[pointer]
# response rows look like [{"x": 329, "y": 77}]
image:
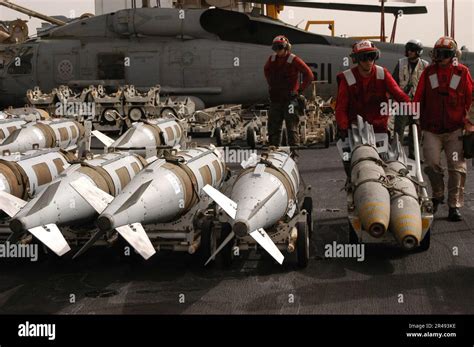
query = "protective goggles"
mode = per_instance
[
  {"x": 440, "y": 53},
  {"x": 278, "y": 46},
  {"x": 412, "y": 47},
  {"x": 367, "y": 56}
]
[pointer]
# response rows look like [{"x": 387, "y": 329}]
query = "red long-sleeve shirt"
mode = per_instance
[
  {"x": 343, "y": 117},
  {"x": 283, "y": 76}
]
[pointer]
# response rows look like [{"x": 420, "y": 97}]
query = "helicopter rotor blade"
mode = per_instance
[{"x": 395, "y": 10}]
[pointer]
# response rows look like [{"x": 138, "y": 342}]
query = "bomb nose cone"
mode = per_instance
[
  {"x": 106, "y": 222},
  {"x": 241, "y": 228},
  {"x": 377, "y": 230},
  {"x": 409, "y": 242},
  {"x": 17, "y": 225}
]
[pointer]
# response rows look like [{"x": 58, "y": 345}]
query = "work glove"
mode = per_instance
[{"x": 468, "y": 127}]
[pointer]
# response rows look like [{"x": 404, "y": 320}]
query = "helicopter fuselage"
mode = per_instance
[{"x": 206, "y": 66}]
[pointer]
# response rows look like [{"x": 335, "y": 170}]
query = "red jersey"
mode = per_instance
[
  {"x": 282, "y": 74},
  {"x": 364, "y": 96},
  {"x": 445, "y": 97}
]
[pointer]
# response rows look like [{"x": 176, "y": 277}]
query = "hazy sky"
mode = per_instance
[
  {"x": 68, "y": 8},
  {"x": 426, "y": 27}
]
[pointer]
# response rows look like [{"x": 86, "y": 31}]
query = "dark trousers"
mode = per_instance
[
  {"x": 401, "y": 122},
  {"x": 278, "y": 113}
]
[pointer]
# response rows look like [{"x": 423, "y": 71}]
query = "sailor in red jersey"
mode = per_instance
[
  {"x": 364, "y": 89},
  {"x": 282, "y": 72},
  {"x": 445, "y": 95}
]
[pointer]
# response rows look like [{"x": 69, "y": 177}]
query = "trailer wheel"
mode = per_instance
[
  {"x": 251, "y": 137},
  {"x": 169, "y": 112},
  {"x": 425, "y": 243},
  {"x": 302, "y": 243},
  {"x": 308, "y": 206},
  {"x": 135, "y": 114},
  {"x": 208, "y": 242},
  {"x": 227, "y": 251},
  {"x": 353, "y": 238},
  {"x": 218, "y": 136},
  {"x": 327, "y": 137}
]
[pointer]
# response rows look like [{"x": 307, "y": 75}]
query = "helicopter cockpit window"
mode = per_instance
[
  {"x": 111, "y": 66},
  {"x": 21, "y": 63}
]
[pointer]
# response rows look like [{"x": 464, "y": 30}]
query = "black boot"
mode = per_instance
[
  {"x": 454, "y": 214},
  {"x": 436, "y": 203}
]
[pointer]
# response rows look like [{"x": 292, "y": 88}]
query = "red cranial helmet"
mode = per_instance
[
  {"x": 280, "y": 42},
  {"x": 444, "y": 48},
  {"x": 364, "y": 50}
]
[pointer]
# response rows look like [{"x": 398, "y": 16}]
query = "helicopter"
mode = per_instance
[{"x": 210, "y": 54}]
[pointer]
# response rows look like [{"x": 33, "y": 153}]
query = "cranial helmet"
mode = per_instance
[
  {"x": 281, "y": 42},
  {"x": 364, "y": 50}
]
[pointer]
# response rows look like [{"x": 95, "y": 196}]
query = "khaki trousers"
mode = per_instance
[{"x": 451, "y": 144}]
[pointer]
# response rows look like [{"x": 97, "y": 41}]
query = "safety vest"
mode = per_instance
[
  {"x": 290, "y": 59},
  {"x": 443, "y": 108},
  {"x": 282, "y": 78},
  {"x": 407, "y": 77},
  {"x": 369, "y": 104}
]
